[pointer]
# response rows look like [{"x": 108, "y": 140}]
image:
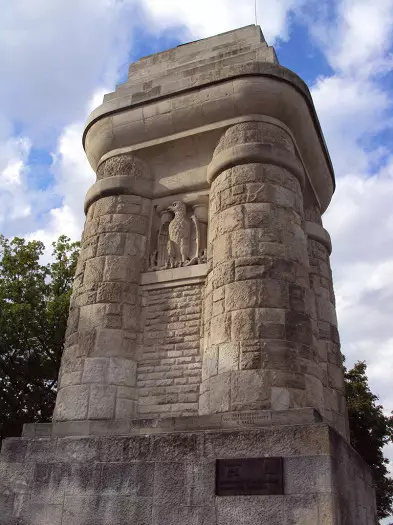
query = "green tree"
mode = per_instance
[
  {"x": 34, "y": 302},
  {"x": 370, "y": 431}
]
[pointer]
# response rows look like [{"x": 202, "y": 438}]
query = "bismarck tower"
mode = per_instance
[{"x": 201, "y": 381}]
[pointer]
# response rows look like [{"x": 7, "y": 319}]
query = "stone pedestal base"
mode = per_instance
[{"x": 168, "y": 478}]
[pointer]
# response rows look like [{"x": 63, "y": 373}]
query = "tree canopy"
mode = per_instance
[
  {"x": 370, "y": 431},
  {"x": 34, "y": 303}
]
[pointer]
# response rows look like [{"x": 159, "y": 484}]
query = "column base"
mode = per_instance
[{"x": 169, "y": 478}]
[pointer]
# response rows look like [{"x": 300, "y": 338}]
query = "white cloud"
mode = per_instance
[
  {"x": 352, "y": 111},
  {"x": 72, "y": 178},
  {"x": 205, "y": 18},
  {"x": 13, "y": 180},
  {"x": 54, "y": 53},
  {"x": 362, "y": 43},
  {"x": 355, "y": 109}
]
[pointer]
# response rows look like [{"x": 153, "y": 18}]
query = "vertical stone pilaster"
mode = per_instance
[
  {"x": 98, "y": 371},
  {"x": 259, "y": 351},
  {"x": 328, "y": 341}
]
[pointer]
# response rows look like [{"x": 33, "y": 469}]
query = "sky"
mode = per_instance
[{"x": 58, "y": 58}]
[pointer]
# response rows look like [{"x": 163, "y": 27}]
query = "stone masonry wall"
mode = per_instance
[
  {"x": 169, "y": 479},
  {"x": 259, "y": 351},
  {"x": 328, "y": 341},
  {"x": 97, "y": 379},
  {"x": 169, "y": 369}
]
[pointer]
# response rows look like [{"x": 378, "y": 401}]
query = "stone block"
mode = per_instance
[
  {"x": 131, "y": 317},
  {"x": 179, "y": 515},
  {"x": 102, "y": 401},
  {"x": 95, "y": 370},
  {"x": 250, "y": 360},
  {"x": 91, "y": 317},
  {"x": 308, "y": 475},
  {"x": 125, "y": 408},
  {"x": 41, "y": 449},
  {"x": 223, "y": 274},
  {"x": 261, "y": 215},
  {"x": 176, "y": 447},
  {"x": 243, "y": 294},
  {"x": 220, "y": 393},
  {"x": 249, "y": 510},
  {"x": 273, "y": 293},
  {"x": 228, "y": 357},
  {"x": 220, "y": 330},
  {"x": 122, "y": 268},
  {"x": 135, "y": 244},
  {"x": 44, "y": 514},
  {"x": 210, "y": 362},
  {"x": 7, "y": 507},
  {"x": 94, "y": 269},
  {"x": 112, "y": 343},
  {"x": 111, "y": 244},
  {"x": 122, "y": 372},
  {"x": 170, "y": 483},
  {"x": 298, "y": 327},
  {"x": 314, "y": 392},
  {"x": 72, "y": 403},
  {"x": 110, "y": 292},
  {"x": 230, "y": 219},
  {"x": 303, "y": 510},
  {"x": 72, "y": 449},
  {"x": 250, "y": 390},
  {"x": 106, "y": 510},
  {"x": 71, "y": 378},
  {"x": 13, "y": 449},
  {"x": 50, "y": 482},
  {"x": 70, "y": 428},
  {"x": 280, "y": 398},
  {"x": 15, "y": 476},
  {"x": 128, "y": 479},
  {"x": 201, "y": 477},
  {"x": 243, "y": 324},
  {"x": 222, "y": 249}
]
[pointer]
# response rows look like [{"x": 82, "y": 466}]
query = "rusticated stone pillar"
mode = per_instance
[
  {"x": 98, "y": 371},
  {"x": 328, "y": 342},
  {"x": 259, "y": 351}
]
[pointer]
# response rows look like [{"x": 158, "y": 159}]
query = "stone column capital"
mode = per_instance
[
  {"x": 318, "y": 233},
  {"x": 255, "y": 142},
  {"x": 123, "y": 174}
]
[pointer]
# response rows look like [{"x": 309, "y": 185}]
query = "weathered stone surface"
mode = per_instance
[
  {"x": 230, "y": 351},
  {"x": 170, "y": 479}
]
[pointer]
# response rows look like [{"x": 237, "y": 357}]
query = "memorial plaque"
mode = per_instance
[{"x": 248, "y": 477}]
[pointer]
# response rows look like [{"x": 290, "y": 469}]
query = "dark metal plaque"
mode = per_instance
[{"x": 248, "y": 477}]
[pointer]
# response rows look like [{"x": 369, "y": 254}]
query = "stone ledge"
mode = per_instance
[
  {"x": 224, "y": 421},
  {"x": 318, "y": 233},
  {"x": 255, "y": 152},
  {"x": 174, "y": 277},
  {"x": 168, "y": 478}
]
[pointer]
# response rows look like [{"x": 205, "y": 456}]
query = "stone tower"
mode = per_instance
[{"x": 201, "y": 381}]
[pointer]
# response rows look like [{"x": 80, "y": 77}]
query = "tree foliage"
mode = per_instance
[
  {"x": 370, "y": 431},
  {"x": 34, "y": 302}
]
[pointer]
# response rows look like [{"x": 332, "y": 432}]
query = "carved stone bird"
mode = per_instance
[{"x": 179, "y": 235}]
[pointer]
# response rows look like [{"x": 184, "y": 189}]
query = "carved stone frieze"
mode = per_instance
[
  {"x": 123, "y": 165},
  {"x": 180, "y": 237}
]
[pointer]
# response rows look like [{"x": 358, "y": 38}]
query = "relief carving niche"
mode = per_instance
[{"x": 179, "y": 234}]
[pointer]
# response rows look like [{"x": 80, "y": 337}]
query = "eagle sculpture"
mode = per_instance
[{"x": 174, "y": 240}]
